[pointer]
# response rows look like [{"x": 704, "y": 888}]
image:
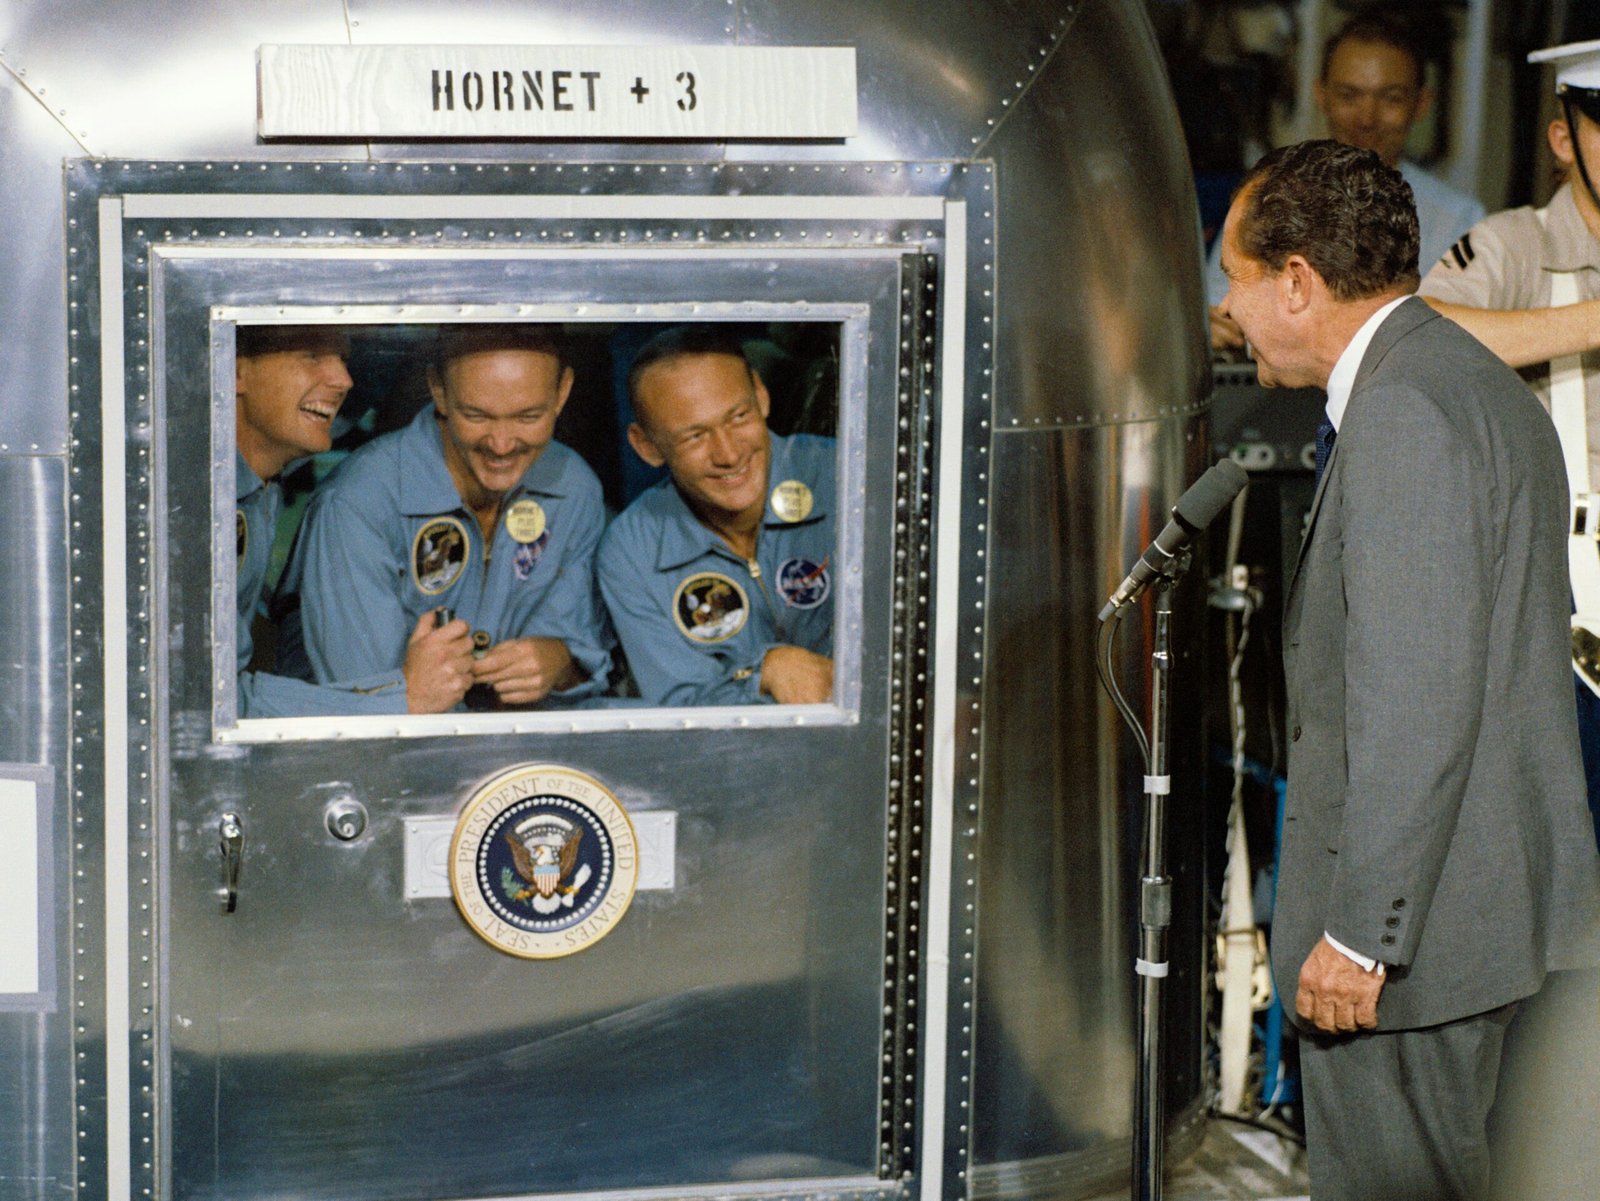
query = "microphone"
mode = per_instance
[{"x": 1197, "y": 508}]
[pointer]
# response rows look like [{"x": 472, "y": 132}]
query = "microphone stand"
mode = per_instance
[{"x": 1155, "y": 888}]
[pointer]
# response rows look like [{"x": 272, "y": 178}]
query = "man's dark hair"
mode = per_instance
[
  {"x": 252, "y": 340},
  {"x": 684, "y": 341},
  {"x": 1384, "y": 29},
  {"x": 478, "y": 337},
  {"x": 1352, "y": 217}
]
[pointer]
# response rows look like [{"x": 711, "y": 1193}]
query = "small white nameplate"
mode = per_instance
[
  {"x": 615, "y": 92},
  {"x": 427, "y": 851},
  {"x": 19, "y": 886}
]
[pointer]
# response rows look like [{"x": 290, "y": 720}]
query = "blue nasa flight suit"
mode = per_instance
[
  {"x": 261, "y": 694},
  {"x": 367, "y": 563},
  {"x": 657, "y": 561}
]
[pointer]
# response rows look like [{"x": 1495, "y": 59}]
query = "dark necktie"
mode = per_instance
[{"x": 1325, "y": 436}]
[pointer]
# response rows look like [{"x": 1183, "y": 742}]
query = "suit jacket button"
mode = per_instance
[
  {"x": 1391, "y": 922},
  {"x": 1400, "y": 904},
  {"x": 1294, "y": 736},
  {"x": 1387, "y": 940}
]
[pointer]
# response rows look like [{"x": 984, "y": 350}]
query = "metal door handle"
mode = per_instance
[{"x": 230, "y": 832}]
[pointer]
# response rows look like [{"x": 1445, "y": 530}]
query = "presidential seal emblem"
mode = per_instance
[
  {"x": 792, "y": 501},
  {"x": 544, "y": 862},
  {"x": 710, "y": 607},
  {"x": 802, "y": 583},
  {"x": 438, "y": 555}
]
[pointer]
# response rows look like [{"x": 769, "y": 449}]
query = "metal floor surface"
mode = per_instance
[{"x": 1235, "y": 1162}]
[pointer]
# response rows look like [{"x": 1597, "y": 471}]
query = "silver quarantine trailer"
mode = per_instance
[{"x": 876, "y": 947}]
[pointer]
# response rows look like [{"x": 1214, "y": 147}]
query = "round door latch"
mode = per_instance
[{"x": 346, "y": 818}]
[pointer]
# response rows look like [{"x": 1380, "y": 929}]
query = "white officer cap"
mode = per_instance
[{"x": 1577, "y": 66}]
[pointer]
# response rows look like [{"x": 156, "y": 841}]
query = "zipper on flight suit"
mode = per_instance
[
  {"x": 488, "y": 540},
  {"x": 488, "y": 554},
  {"x": 777, "y": 615}
]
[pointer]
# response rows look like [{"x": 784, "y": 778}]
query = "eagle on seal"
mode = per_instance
[{"x": 544, "y": 865}]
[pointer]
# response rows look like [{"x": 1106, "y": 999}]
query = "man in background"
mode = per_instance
[
  {"x": 289, "y": 384},
  {"x": 1371, "y": 92},
  {"x": 472, "y": 516},
  {"x": 719, "y": 578}
]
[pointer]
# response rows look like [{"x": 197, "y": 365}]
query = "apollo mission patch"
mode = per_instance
[
  {"x": 710, "y": 607},
  {"x": 438, "y": 555}
]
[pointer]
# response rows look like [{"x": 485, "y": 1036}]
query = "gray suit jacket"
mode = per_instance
[{"x": 1436, "y": 815}]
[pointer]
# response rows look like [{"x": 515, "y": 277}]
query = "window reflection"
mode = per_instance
[{"x": 475, "y": 516}]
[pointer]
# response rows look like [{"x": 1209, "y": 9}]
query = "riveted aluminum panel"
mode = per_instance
[
  {"x": 33, "y": 597},
  {"x": 36, "y": 1042},
  {"x": 171, "y": 80},
  {"x": 597, "y": 23},
  {"x": 1063, "y": 791},
  {"x": 33, "y": 369},
  {"x": 1101, "y": 263},
  {"x": 1087, "y": 132},
  {"x": 295, "y": 1009},
  {"x": 938, "y": 87}
]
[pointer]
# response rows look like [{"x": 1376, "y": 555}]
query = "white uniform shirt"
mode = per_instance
[{"x": 1507, "y": 261}]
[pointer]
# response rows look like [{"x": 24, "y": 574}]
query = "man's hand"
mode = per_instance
[
  {"x": 792, "y": 675},
  {"x": 1225, "y": 331},
  {"x": 1337, "y": 994},
  {"x": 438, "y": 666},
  {"x": 523, "y": 671}
]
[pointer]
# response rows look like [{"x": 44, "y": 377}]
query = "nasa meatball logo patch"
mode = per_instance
[
  {"x": 438, "y": 555},
  {"x": 544, "y": 862},
  {"x": 802, "y": 583},
  {"x": 710, "y": 607}
]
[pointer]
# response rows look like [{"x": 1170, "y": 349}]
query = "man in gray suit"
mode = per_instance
[{"x": 1437, "y": 859}]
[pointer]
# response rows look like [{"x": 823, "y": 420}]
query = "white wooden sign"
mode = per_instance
[
  {"x": 611, "y": 92},
  {"x": 20, "y": 846}
]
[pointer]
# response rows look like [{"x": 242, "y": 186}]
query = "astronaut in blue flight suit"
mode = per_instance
[
  {"x": 719, "y": 579},
  {"x": 289, "y": 384},
  {"x": 471, "y": 508}
]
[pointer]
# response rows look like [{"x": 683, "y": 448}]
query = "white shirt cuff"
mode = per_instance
[{"x": 1366, "y": 964}]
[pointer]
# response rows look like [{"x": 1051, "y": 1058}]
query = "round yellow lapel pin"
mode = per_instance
[
  {"x": 525, "y": 521},
  {"x": 792, "y": 501}
]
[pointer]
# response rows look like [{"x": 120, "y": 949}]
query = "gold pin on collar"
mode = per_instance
[{"x": 792, "y": 501}]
